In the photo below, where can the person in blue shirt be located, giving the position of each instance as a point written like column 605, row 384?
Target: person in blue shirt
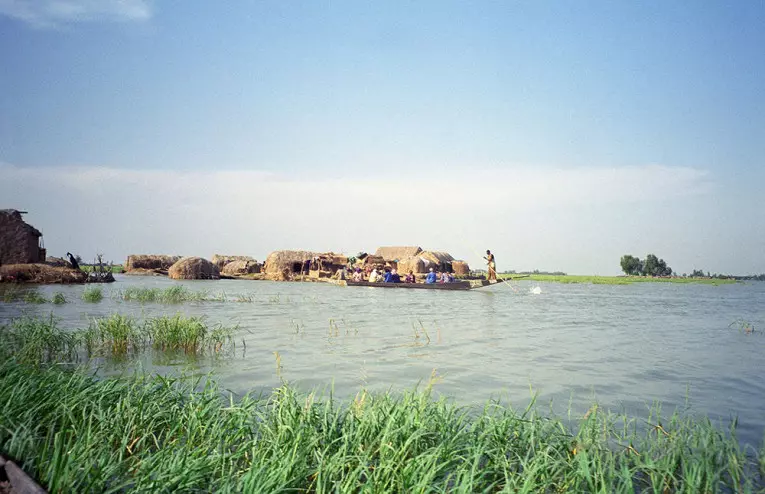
column 395, row 277
column 386, row 276
column 431, row 277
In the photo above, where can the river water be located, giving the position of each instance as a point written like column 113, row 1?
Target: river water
column 624, row 346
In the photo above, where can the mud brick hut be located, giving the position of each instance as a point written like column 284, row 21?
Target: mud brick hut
column 20, row 243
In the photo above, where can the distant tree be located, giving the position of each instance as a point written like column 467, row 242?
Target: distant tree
column 631, row 265
column 697, row 273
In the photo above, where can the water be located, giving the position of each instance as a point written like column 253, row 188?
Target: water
column 625, row 346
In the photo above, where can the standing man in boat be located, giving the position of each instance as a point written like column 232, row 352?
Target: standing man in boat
column 492, row 275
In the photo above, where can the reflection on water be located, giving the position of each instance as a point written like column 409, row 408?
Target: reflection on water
column 623, row 345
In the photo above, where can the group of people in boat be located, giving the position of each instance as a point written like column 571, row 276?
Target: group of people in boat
column 391, row 275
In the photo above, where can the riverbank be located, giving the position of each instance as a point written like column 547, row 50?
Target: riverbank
column 614, row 280
column 75, row 433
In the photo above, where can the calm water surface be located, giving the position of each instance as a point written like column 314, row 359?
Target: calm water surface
column 624, row 346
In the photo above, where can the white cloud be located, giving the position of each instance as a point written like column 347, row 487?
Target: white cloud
column 52, row 13
column 578, row 220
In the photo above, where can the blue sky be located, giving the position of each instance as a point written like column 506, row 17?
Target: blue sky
column 547, row 126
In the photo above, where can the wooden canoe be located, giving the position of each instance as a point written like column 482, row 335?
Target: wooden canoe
column 456, row 285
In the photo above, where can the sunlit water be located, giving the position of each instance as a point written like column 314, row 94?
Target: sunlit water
column 625, row 346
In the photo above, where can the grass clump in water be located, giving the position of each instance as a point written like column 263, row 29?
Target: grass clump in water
column 177, row 294
column 189, row 334
column 75, row 433
column 93, row 294
column 34, row 297
column 59, row 298
column 36, row 340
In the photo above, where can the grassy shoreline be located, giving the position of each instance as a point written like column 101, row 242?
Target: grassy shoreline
column 615, row 280
column 75, row 433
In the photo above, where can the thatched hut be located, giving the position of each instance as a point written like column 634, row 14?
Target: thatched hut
column 194, row 268
column 20, row 243
column 414, row 264
column 221, row 260
column 149, row 262
column 289, row 261
column 239, row 268
column 460, row 268
column 437, row 259
column 394, row 254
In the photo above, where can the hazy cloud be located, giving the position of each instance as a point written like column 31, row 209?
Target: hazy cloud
column 580, row 220
column 51, row 13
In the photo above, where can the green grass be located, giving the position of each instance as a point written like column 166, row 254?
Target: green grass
column 41, row 340
column 75, row 433
column 34, row 297
column 59, row 298
column 93, row 294
column 176, row 294
column 614, row 280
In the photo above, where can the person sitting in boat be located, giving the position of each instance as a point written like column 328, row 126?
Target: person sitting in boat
column 451, row 277
column 357, row 276
column 444, row 277
column 373, row 276
column 410, row 277
column 386, row 276
column 340, row 274
column 394, row 277
column 431, row 277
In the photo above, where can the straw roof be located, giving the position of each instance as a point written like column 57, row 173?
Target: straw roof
column 396, row 253
column 221, row 260
column 279, row 260
column 237, row 268
column 150, row 261
column 194, row 268
column 413, row 264
column 436, row 256
column 460, row 267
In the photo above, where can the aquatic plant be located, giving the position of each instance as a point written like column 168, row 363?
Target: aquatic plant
column 37, row 340
column 59, row 298
column 34, row 297
column 116, row 335
column 176, row 294
column 189, row 334
column 93, row 294
column 75, row 433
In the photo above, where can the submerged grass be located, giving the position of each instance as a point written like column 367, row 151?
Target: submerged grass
column 176, row 294
column 75, row 433
column 93, row 294
column 37, row 339
column 59, row 298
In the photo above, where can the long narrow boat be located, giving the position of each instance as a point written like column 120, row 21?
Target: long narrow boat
column 456, row 285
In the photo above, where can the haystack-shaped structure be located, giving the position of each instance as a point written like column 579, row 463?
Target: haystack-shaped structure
column 20, row 243
column 239, row 268
column 138, row 262
column 194, row 268
column 423, row 261
column 221, row 260
column 287, row 261
column 460, row 268
column 394, row 254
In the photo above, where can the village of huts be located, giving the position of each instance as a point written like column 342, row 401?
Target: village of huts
column 23, row 259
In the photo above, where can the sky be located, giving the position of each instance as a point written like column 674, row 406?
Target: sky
column 560, row 135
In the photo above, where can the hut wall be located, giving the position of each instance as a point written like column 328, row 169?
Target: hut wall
column 460, row 268
column 413, row 264
column 221, row 260
column 19, row 242
column 194, row 268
